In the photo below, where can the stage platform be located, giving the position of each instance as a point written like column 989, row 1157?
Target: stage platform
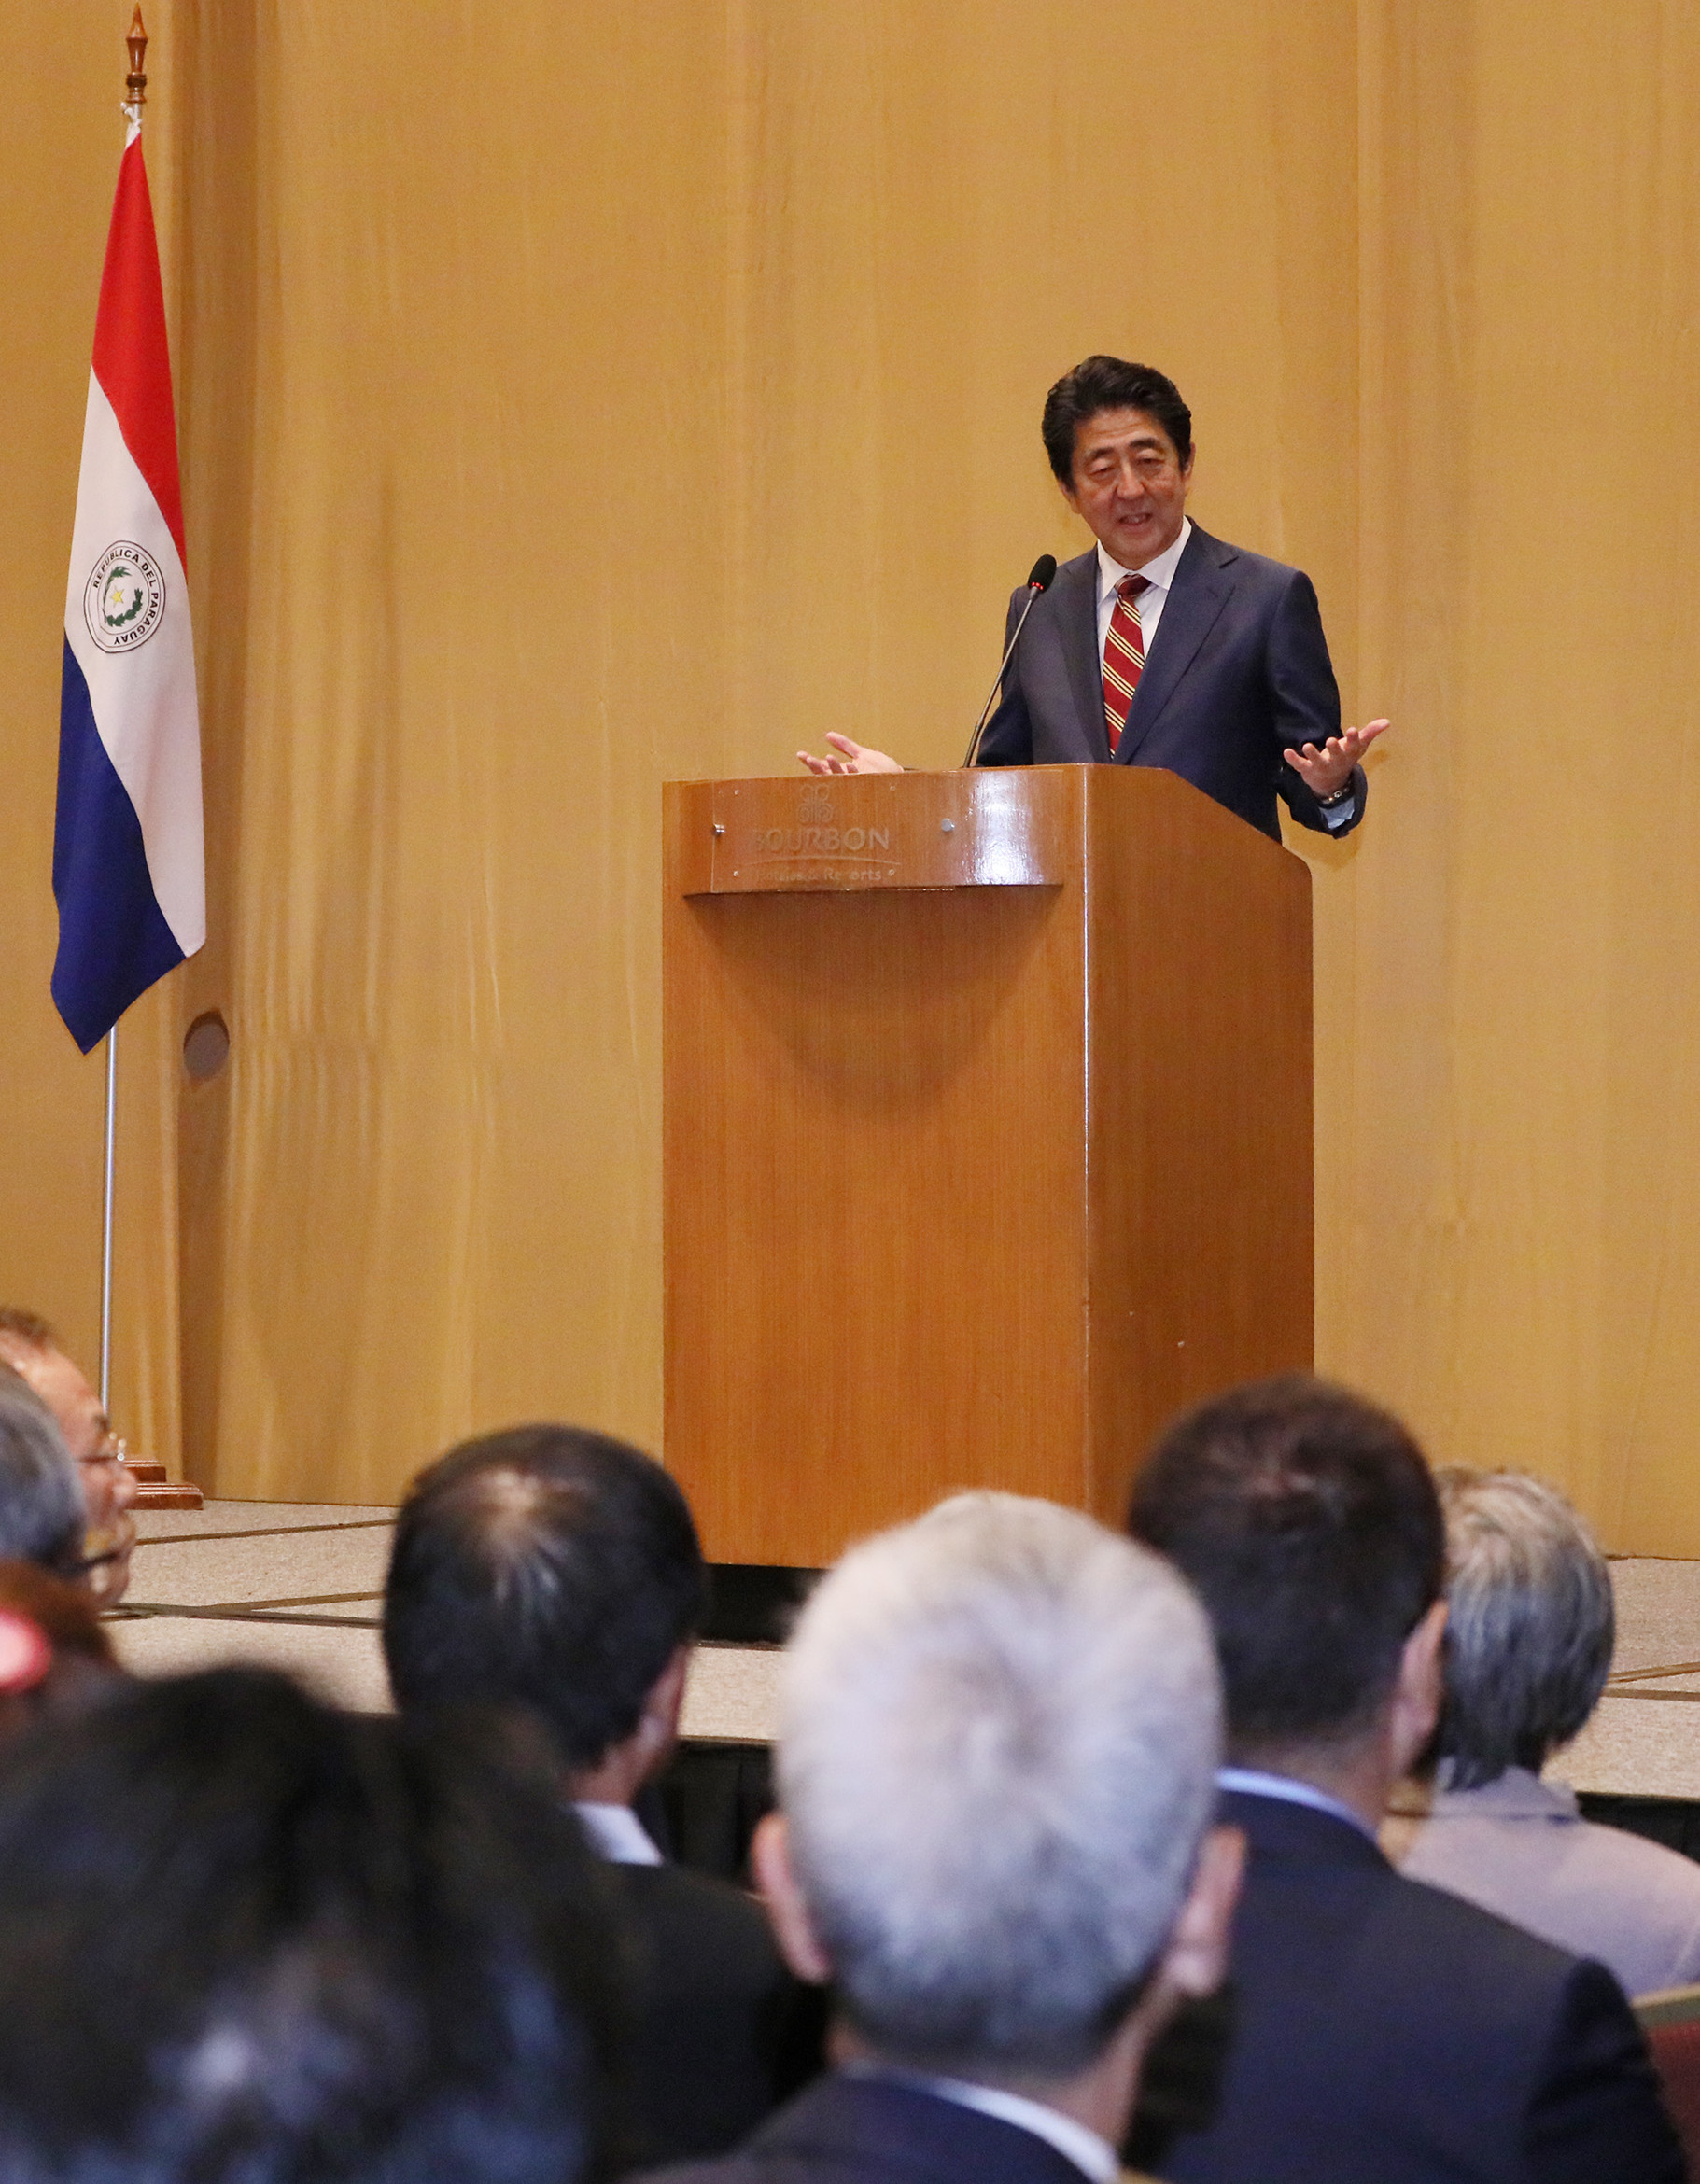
column 296, row 1585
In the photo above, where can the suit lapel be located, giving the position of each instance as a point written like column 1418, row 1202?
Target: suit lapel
column 1077, row 627
column 1196, row 598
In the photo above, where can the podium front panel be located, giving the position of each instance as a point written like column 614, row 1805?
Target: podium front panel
column 967, row 1160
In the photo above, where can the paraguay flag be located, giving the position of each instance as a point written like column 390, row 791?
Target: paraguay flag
column 128, row 870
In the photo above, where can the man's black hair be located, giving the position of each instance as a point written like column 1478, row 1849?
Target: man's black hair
column 1105, row 383
column 246, row 1940
column 1308, row 1522
column 546, row 1567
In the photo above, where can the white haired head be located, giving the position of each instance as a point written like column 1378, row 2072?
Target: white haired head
column 1530, row 1623
column 1000, row 1729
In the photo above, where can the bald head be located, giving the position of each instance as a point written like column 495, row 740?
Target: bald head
column 32, row 1351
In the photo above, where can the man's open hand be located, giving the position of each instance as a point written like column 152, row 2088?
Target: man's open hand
column 853, row 758
column 1325, row 771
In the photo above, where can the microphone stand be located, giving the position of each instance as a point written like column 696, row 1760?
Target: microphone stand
column 1034, row 592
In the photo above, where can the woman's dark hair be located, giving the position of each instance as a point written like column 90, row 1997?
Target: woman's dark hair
column 245, row 1938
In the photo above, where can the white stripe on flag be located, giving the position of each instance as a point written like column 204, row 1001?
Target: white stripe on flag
column 144, row 701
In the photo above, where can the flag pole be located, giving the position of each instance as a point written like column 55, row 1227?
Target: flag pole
column 105, row 1249
column 136, row 98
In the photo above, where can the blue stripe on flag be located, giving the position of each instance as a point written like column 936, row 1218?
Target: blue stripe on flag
column 113, row 939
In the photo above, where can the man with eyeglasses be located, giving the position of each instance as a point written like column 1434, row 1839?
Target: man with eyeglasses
column 1163, row 646
column 32, row 1349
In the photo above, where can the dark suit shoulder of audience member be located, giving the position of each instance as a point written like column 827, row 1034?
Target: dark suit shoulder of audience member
column 869, row 2131
column 1384, row 2030
column 556, row 1575
column 722, row 2031
column 245, row 1937
column 1391, row 2030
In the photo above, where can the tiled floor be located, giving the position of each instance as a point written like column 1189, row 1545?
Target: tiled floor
column 296, row 1585
column 1645, row 1738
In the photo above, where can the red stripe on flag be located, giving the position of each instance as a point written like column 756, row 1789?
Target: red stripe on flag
column 130, row 357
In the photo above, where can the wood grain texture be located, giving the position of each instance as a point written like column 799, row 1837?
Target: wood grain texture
column 947, row 1164
column 1199, row 1134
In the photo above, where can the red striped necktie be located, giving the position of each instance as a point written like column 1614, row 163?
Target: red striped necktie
column 1124, row 657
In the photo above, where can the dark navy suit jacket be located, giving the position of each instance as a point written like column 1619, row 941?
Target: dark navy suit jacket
column 1386, row 2033
column 867, row 2131
column 722, row 2033
column 1238, row 672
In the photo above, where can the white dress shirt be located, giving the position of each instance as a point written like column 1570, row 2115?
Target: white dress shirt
column 617, row 1834
column 1254, row 1783
column 1160, row 577
column 1094, row 2157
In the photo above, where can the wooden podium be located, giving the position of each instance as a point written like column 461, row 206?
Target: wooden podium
column 987, row 1138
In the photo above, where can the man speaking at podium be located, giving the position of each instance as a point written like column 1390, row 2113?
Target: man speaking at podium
column 1163, row 646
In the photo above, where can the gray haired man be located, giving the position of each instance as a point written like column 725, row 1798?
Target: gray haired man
column 31, row 1350
column 999, row 1728
column 41, row 1501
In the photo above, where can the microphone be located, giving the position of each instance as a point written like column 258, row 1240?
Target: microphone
column 1038, row 579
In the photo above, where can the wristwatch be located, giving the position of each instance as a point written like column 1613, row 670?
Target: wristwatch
column 1340, row 796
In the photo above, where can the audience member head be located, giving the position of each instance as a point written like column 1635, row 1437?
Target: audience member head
column 34, row 1351
column 246, row 1939
column 29, row 1346
column 1307, row 1520
column 11, row 1380
column 54, row 1651
column 1530, row 1624
column 1106, row 383
column 999, row 1734
column 555, row 1570
column 41, row 1503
